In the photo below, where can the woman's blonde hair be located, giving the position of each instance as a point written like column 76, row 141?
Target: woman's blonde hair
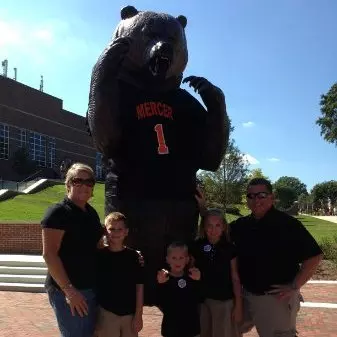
column 74, row 169
column 213, row 212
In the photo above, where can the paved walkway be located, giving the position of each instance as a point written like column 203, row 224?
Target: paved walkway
column 330, row 218
column 29, row 315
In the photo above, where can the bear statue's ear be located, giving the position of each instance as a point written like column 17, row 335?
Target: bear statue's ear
column 128, row 12
column 183, row 20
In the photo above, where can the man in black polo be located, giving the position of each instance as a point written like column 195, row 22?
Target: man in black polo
column 276, row 256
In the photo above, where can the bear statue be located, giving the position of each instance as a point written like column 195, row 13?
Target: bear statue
column 154, row 136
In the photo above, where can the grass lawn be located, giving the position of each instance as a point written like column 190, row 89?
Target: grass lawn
column 31, row 208
column 317, row 227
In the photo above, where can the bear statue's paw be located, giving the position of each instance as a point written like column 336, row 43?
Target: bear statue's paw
column 209, row 93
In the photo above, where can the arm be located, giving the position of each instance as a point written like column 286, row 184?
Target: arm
column 307, row 270
column 216, row 125
column 139, row 299
column 237, row 288
column 137, row 322
column 51, row 242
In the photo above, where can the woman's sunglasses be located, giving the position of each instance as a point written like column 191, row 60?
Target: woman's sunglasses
column 79, row 181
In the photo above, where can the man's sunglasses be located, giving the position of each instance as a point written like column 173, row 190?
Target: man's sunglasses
column 258, row 195
column 79, row 181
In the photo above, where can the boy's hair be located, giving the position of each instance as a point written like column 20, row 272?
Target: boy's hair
column 115, row 216
column 213, row 212
column 261, row 181
column 177, row 244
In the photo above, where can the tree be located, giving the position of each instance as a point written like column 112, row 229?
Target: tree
column 294, row 183
column 306, row 203
column 226, row 185
column 328, row 120
column 325, row 193
column 22, row 164
column 257, row 173
column 285, row 196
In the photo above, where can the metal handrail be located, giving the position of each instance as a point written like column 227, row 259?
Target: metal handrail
column 32, row 175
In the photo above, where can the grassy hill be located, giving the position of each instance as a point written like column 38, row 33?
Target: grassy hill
column 31, row 208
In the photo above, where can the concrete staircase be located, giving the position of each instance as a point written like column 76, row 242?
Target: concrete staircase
column 25, row 273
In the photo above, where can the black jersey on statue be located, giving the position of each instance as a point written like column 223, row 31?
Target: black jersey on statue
column 161, row 145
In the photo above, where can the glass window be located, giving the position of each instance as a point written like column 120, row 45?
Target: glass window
column 37, row 148
column 23, row 138
column 4, row 141
column 51, row 152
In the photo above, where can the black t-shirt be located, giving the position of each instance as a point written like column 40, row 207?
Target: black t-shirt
column 77, row 251
column 271, row 249
column 179, row 299
column 118, row 274
column 160, row 146
column 214, row 262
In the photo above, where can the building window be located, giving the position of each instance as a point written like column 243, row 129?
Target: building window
column 37, row 148
column 51, row 152
column 99, row 165
column 4, row 141
column 23, row 138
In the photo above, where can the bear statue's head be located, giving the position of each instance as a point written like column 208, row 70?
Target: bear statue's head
column 158, row 50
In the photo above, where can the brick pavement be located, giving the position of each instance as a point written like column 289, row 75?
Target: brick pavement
column 29, row 315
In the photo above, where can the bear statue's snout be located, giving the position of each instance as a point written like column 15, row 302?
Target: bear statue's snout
column 161, row 57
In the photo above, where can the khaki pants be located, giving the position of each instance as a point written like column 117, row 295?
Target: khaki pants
column 216, row 319
column 272, row 317
column 111, row 325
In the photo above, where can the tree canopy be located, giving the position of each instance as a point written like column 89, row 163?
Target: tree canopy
column 328, row 119
column 296, row 184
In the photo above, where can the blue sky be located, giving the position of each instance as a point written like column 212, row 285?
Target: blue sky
column 272, row 59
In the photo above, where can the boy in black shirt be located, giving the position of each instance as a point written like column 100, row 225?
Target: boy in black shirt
column 119, row 284
column 179, row 294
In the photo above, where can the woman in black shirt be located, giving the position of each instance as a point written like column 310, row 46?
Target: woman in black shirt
column 71, row 233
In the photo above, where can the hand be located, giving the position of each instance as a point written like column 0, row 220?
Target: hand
column 111, row 59
column 237, row 313
column 137, row 323
column 162, row 276
column 282, row 292
column 209, row 93
column 140, row 258
column 194, row 273
column 76, row 301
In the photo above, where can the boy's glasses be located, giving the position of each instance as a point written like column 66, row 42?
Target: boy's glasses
column 258, row 195
column 79, row 181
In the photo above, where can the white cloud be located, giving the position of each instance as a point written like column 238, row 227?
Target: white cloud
column 273, row 159
column 250, row 159
column 42, row 43
column 248, row 124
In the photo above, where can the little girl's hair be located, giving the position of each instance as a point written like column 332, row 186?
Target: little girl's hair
column 213, row 212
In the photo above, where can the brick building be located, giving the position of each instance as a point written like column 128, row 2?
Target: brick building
column 34, row 120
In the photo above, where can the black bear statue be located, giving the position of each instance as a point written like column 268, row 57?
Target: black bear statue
column 154, row 135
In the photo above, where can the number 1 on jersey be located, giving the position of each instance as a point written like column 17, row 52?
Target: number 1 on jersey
column 162, row 148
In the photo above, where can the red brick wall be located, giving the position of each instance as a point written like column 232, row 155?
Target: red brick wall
column 19, row 238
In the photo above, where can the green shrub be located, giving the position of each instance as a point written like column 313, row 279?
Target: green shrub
column 329, row 248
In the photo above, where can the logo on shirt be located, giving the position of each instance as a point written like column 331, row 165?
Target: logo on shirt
column 181, row 283
column 207, row 248
column 149, row 109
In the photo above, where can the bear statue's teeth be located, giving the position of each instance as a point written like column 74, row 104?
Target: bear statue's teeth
column 160, row 65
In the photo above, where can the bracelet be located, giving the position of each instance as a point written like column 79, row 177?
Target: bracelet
column 67, row 286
